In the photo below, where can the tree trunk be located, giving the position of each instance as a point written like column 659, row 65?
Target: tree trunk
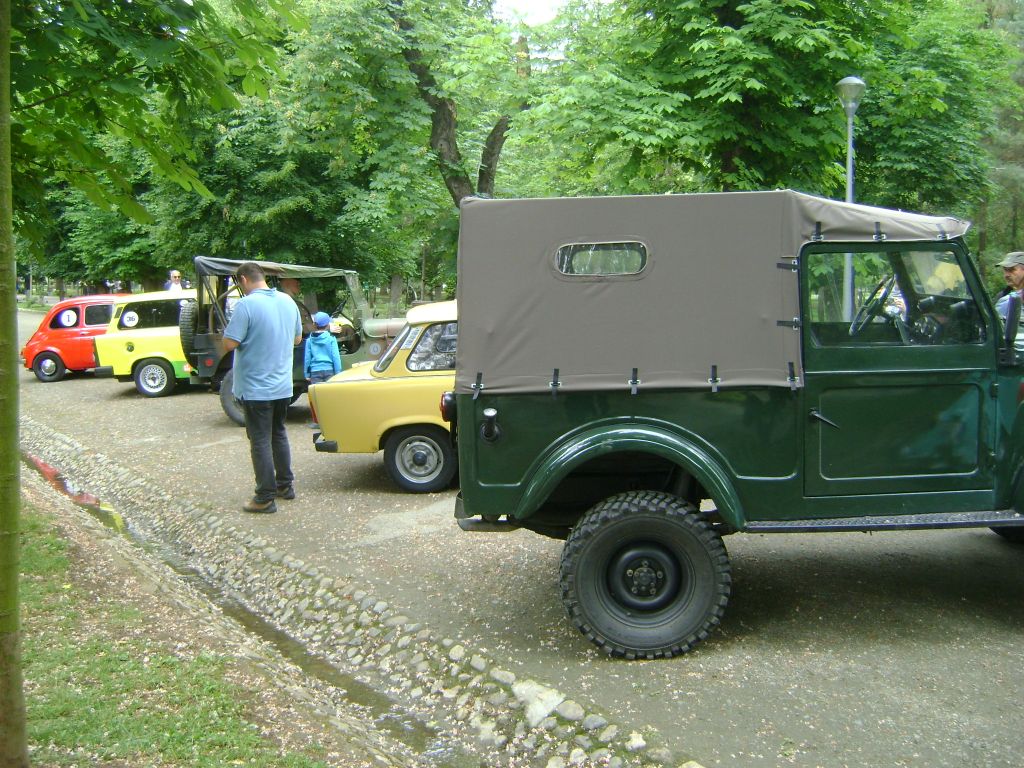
column 489, row 157
column 443, row 120
column 13, row 747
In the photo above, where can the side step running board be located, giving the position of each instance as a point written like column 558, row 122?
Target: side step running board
column 987, row 519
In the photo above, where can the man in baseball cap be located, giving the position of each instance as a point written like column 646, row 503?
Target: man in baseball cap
column 1013, row 274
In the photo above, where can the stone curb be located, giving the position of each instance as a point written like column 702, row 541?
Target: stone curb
column 514, row 721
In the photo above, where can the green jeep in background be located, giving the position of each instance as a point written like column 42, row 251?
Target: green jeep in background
column 642, row 376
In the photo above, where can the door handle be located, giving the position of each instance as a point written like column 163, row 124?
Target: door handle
column 814, row 414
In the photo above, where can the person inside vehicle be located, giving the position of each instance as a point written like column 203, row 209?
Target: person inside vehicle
column 173, row 281
column 1013, row 274
column 290, row 286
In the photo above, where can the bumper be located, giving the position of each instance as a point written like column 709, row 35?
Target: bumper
column 324, row 446
column 104, row 372
column 479, row 525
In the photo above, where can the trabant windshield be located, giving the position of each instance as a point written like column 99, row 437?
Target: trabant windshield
column 404, row 340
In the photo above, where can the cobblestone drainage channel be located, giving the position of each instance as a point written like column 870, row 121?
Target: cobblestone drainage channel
column 483, row 713
column 385, row 714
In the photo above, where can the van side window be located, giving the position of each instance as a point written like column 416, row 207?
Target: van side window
column 911, row 297
column 150, row 314
column 602, row 259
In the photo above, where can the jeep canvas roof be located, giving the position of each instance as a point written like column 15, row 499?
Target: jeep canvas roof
column 722, row 307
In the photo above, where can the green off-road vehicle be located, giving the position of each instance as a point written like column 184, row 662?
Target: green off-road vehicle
column 643, row 375
column 202, row 323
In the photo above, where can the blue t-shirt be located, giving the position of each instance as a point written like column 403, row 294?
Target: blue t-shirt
column 265, row 324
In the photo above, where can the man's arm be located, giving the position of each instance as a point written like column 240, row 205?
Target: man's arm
column 230, row 345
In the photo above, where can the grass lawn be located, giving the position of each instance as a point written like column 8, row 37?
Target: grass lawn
column 105, row 685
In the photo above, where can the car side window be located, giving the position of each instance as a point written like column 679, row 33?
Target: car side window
column 150, row 314
column 435, row 351
column 908, row 298
column 98, row 314
column 66, row 318
column 601, row 259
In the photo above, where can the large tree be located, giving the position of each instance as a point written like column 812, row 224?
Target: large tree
column 69, row 71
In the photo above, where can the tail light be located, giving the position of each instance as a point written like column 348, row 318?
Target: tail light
column 448, row 411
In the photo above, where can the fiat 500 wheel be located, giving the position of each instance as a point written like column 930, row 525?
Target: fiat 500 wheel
column 420, row 459
column 48, row 367
column 154, row 378
column 643, row 575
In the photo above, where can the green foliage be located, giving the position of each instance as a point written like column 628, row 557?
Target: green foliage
column 134, row 69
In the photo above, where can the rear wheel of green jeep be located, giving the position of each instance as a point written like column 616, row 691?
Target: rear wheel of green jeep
column 643, row 575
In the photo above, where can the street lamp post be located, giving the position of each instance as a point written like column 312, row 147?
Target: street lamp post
column 849, row 89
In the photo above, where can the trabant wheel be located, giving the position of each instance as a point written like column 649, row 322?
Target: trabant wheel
column 420, row 459
column 644, row 576
column 1014, row 533
column 154, row 378
column 232, row 407
column 48, row 367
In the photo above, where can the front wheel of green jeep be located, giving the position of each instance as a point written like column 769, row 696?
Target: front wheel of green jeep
column 643, row 575
column 1013, row 533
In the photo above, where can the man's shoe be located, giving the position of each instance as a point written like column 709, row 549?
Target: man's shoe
column 286, row 493
column 260, row 506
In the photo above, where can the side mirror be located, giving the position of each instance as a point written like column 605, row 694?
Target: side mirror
column 1012, row 320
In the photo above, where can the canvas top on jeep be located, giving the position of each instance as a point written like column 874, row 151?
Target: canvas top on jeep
column 710, row 274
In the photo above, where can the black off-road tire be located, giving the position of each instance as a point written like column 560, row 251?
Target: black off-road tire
column 187, row 327
column 643, row 575
column 1014, row 533
column 232, row 407
column 48, row 367
column 420, row 459
column 154, row 377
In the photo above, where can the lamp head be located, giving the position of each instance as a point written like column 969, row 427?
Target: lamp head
column 850, row 89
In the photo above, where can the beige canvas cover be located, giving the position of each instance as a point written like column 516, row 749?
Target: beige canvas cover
column 709, row 301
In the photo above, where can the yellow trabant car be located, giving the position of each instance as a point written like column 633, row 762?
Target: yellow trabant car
column 393, row 404
column 143, row 342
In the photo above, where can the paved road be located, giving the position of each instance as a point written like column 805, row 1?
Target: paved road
column 898, row 649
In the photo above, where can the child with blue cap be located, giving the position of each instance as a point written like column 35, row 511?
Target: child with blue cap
column 323, row 359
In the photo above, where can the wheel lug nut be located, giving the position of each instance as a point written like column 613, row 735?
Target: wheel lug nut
column 629, row 572
column 634, row 590
column 653, row 590
column 643, row 563
column 661, row 575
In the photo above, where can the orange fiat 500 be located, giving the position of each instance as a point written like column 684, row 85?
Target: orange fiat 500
column 63, row 341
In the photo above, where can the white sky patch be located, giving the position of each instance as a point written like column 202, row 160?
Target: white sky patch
column 531, row 11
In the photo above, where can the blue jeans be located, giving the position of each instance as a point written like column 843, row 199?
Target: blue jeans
column 315, row 377
column 268, row 445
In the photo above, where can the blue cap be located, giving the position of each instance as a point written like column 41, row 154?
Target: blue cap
column 322, row 319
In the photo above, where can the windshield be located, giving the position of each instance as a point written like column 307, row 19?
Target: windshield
column 404, row 340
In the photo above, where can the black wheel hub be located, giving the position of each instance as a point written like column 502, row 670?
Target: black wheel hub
column 644, row 577
column 420, row 458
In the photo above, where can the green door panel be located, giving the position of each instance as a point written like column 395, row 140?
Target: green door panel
column 910, row 435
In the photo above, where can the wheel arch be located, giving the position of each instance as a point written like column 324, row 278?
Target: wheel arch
column 390, row 426
column 557, row 463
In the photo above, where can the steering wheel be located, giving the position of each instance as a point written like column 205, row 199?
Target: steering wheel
column 874, row 304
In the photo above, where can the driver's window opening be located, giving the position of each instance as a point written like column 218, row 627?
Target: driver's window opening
column 899, row 298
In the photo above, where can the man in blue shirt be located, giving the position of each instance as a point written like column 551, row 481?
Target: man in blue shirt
column 263, row 330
